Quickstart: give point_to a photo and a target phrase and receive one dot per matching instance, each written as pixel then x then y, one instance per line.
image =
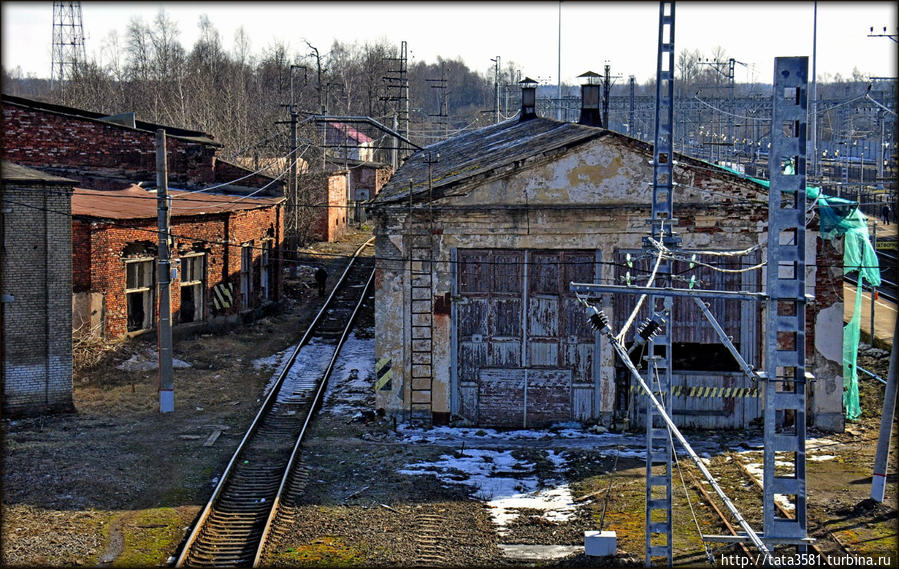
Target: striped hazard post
pixel 383 374
pixel 222 296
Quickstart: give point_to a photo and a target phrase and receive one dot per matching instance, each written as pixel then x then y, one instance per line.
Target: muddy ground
pixel 118 484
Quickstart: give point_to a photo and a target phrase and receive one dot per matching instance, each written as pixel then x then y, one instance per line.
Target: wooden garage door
pixel 524 354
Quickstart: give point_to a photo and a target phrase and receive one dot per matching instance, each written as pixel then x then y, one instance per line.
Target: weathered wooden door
pixel 524 353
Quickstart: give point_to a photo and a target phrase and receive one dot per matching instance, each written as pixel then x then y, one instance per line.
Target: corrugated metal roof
pixel 482 151
pixel 12 172
pixel 135 202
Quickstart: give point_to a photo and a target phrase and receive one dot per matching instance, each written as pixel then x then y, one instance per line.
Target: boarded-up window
pixel 265 270
pixel 193 287
pixel 139 293
pixel 246 276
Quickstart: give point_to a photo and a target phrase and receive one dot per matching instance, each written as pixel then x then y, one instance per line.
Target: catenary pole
pixel 164 327
pixel 559 68
pixel 879 480
pixel 813 96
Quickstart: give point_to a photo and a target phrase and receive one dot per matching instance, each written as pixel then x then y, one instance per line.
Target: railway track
pixel 234 526
pixel 821 548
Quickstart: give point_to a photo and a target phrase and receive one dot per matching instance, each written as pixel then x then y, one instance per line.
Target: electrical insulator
pixel 597 319
pixel 647 330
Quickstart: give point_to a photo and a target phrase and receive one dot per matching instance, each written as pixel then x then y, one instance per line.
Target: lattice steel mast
pixel 658 442
pixel 68 41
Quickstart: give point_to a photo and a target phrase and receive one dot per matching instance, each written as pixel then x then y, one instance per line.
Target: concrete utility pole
pixel 495 89
pixel 166 374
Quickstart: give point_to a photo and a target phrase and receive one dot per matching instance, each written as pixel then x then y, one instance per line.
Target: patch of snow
pixel 820 457
pixel 149 361
pixel 505 483
pixel 351 385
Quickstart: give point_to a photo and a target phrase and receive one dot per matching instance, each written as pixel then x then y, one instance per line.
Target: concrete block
pixel 600 543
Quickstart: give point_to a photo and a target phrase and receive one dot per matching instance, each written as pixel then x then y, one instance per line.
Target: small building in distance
pixel 36 285
pixel 345 140
pixel 226 248
pixel 478 237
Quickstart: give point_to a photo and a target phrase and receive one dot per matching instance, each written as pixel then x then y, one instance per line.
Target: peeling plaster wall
pixel 526 209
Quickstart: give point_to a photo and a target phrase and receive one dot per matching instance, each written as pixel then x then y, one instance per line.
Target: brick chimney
pixel 528 99
pixel 590 99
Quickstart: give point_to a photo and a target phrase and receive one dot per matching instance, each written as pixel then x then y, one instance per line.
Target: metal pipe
pixel 725 339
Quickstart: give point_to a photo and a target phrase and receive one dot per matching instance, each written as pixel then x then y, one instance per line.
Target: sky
pixel 621 34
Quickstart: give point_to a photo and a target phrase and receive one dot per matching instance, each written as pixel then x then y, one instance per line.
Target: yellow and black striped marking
pixel 383 374
pixel 707 391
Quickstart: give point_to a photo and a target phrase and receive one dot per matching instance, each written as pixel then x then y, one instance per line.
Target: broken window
pixel 265 270
pixel 246 275
pixel 139 294
pixel 193 286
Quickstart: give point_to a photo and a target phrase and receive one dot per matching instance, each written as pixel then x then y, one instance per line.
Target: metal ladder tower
pixel 68 41
pixel 785 387
pixel 421 308
pixel 397 82
pixel 658 441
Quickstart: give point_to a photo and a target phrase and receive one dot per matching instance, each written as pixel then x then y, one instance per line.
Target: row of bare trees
pixel 240 97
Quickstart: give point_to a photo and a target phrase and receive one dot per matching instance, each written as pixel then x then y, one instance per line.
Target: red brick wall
pixel 81 256
pixel 328 223
pixel 48 140
pixel 103 268
pixel 337 212
pixel 371 178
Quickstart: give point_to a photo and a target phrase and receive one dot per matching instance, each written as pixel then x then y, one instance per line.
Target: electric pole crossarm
pixel 371 121
pixel 588 289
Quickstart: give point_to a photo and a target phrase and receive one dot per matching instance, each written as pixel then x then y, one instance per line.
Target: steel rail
pixel 263 411
pixel 316 402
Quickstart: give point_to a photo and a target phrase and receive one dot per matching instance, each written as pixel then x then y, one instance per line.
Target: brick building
pixel 227 250
pixel 36 280
pixel 476 252
pixel 113 152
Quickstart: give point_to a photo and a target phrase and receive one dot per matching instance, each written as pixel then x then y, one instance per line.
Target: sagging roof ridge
pixel 142 126
pixel 504 135
pixel 420 189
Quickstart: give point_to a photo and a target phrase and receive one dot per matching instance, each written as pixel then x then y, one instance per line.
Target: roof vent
pixel 124 119
pixel 590 113
pixel 528 99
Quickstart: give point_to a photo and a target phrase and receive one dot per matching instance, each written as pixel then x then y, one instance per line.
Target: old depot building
pixel 226 249
pixel 479 236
